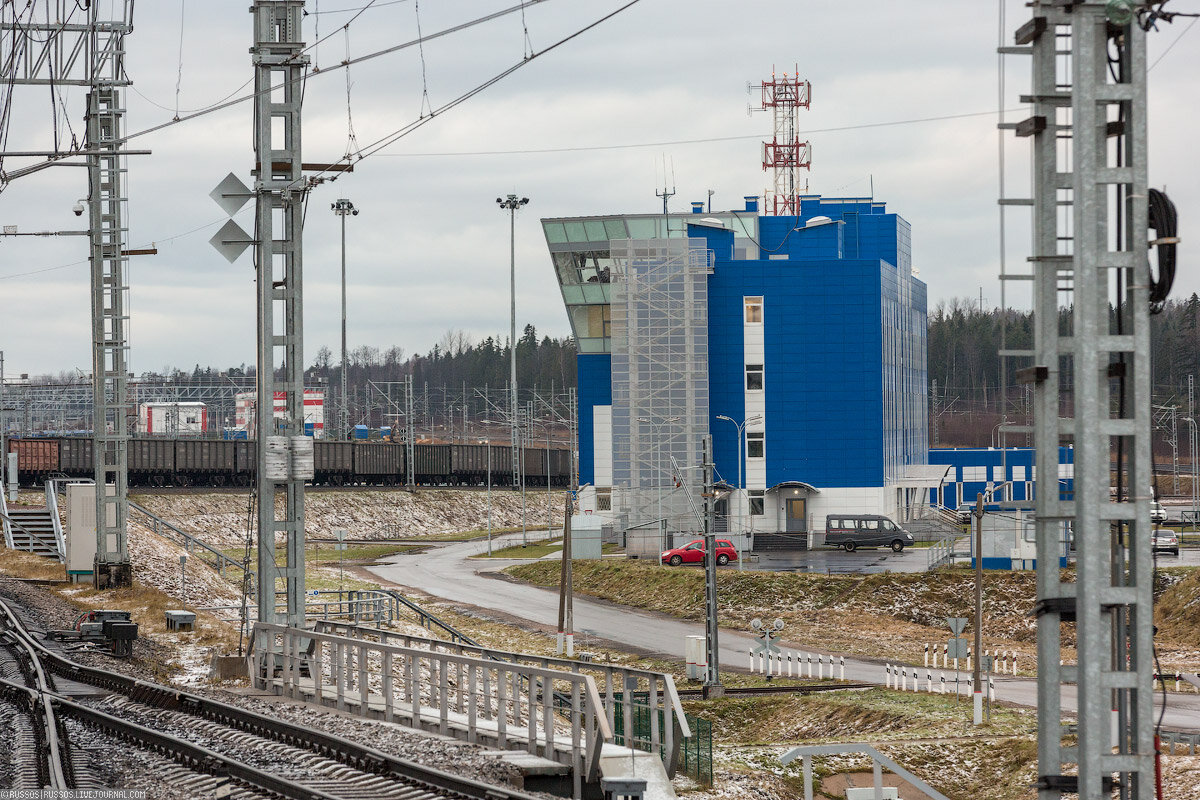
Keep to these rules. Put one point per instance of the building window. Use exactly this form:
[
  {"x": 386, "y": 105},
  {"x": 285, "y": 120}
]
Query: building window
[
  {"x": 754, "y": 310},
  {"x": 754, "y": 377},
  {"x": 756, "y": 445},
  {"x": 604, "y": 500},
  {"x": 756, "y": 502}
]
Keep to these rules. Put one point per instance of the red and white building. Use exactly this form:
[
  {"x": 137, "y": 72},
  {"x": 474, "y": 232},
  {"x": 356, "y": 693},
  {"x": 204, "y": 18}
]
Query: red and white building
[
  {"x": 173, "y": 419},
  {"x": 314, "y": 411}
]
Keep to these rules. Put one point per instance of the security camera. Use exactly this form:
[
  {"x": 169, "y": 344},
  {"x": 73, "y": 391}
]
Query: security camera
[{"x": 78, "y": 209}]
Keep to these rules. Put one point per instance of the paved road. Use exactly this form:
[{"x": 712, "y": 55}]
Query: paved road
[
  {"x": 833, "y": 561},
  {"x": 448, "y": 573}
]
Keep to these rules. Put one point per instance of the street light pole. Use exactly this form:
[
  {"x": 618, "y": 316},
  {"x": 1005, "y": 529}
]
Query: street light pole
[
  {"x": 511, "y": 204},
  {"x": 343, "y": 207},
  {"x": 741, "y": 428}
]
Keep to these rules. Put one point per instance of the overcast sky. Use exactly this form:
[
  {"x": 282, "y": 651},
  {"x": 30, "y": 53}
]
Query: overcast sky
[{"x": 583, "y": 129}]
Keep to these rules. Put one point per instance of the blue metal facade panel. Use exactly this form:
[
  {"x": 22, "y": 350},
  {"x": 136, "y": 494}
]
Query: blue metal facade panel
[
  {"x": 595, "y": 389},
  {"x": 992, "y": 459},
  {"x": 822, "y": 339}
]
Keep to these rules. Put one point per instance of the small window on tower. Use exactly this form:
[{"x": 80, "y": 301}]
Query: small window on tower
[
  {"x": 754, "y": 377},
  {"x": 756, "y": 502},
  {"x": 756, "y": 445},
  {"x": 754, "y": 310}
]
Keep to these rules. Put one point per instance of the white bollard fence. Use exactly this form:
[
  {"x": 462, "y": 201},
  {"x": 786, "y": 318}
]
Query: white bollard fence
[
  {"x": 792, "y": 664},
  {"x": 1004, "y": 662}
]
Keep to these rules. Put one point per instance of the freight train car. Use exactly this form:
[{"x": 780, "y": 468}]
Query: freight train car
[
  {"x": 333, "y": 462},
  {"x": 225, "y": 462},
  {"x": 433, "y": 464},
  {"x": 204, "y": 462},
  {"x": 37, "y": 459},
  {"x": 377, "y": 463}
]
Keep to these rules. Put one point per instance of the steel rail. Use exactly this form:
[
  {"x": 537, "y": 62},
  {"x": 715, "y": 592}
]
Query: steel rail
[
  {"x": 366, "y": 759},
  {"x": 40, "y": 705}
]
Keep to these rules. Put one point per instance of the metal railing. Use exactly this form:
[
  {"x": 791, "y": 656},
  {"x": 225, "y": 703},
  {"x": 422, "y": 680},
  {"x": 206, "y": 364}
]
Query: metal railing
[
  {"x": 428, "y": 620},
  {"x": 366, "y": 605},
  {"x": 878, "y": 762},
  {"x": 188, "y": 541},
  {"x": 52, "y": 507},
  {"x": 476, "y": 699},
  {"x": 5, "y": 521},
  {"x": 942, "y": 552},
  {"x": 620, "y": 686}
]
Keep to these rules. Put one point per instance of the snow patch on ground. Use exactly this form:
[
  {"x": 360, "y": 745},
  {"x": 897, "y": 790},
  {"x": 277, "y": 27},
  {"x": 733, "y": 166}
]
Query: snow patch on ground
[{"x": 221, "y": 518}]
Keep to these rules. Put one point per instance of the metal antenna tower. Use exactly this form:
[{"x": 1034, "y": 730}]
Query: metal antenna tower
[
  {"x": 284, "y": 456},
  {"x": 666, "y": 194},
  {"x": 1100, "y": 364},
  {"x": 785, "y": 154},
  {"x": 92, "y": 54}
]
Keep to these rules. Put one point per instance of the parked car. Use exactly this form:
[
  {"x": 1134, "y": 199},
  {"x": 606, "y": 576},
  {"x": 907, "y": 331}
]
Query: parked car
[
  {"x": 1164, "y": 539},
  {"x": 851, "y": 531},
  {"x": 1158, "y": 514},
  {"x": 693, "y": 553}
]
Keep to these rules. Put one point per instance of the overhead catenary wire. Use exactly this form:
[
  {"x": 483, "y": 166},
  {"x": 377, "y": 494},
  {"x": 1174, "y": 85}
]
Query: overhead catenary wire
[
  {"x": 220, "y": 106},
  {"x": 681, "y": 142},
  {"x": 396, "y": 135}
]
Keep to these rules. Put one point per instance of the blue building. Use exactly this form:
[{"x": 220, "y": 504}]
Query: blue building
[{"x": 798, "y": 342}]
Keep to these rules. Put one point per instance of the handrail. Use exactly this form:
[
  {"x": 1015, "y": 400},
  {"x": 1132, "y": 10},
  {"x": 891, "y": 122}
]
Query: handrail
[
  {"x": 189, "y": 540},
  {"x": 616, "y": 681},
  {"x": 426, "y": 617},
  {"x": 7, "y": 523},
  {"x": 341, "y": 671},
  {"x": 52, "y": 507}
]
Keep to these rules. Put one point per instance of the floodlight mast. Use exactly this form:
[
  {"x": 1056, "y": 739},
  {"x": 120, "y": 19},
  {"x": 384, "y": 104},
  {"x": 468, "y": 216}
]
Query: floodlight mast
[
  {"x": 343, "y": 207},
  {"x": 511, "y": 204}
]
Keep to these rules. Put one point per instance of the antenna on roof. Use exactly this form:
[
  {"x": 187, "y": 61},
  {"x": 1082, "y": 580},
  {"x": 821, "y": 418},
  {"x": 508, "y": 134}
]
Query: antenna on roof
[{"x": 664, "y": 194}]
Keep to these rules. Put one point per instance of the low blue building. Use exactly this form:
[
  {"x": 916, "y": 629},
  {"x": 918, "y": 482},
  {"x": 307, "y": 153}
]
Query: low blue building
[
  {"x": 1006, "y": 477},
  {"x": 798, "y": 342}
]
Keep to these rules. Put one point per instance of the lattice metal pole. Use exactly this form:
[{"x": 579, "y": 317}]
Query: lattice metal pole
[
  {"x": 279, "y": 191},
  {"x": 1107, "y": 370},
  {"x": 110, "y": 367}
]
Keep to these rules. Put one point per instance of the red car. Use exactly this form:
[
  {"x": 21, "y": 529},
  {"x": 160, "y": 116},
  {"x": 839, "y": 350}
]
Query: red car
[{"x": 693, "y": 553}]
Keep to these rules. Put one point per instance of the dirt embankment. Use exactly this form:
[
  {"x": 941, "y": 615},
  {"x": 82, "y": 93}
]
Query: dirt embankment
[
  {"x": 883, "y": 615},
  {"x": 221, "y": 518}
]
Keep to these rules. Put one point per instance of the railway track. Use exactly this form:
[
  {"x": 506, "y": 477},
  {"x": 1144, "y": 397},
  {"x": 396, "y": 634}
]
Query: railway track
[{"x": 226, "y": 750}]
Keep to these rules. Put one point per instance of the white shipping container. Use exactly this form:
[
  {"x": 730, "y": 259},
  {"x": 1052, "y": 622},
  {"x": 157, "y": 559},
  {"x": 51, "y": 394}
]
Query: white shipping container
[{"x": 172, "y": 419}]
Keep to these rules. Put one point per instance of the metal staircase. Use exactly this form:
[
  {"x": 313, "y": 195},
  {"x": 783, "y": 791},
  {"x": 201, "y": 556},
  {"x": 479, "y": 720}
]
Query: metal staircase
[{"x": 32, "y": 529}]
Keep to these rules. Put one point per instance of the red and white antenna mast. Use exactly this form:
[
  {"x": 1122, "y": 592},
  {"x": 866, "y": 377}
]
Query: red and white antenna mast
[{"x": 785, "y": 154}]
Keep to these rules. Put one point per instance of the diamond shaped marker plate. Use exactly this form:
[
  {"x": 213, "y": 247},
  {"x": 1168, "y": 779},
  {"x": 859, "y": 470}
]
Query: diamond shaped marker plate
[
  {"x": 231, "y": 241},
  {"x": 231, "y": 194}
]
